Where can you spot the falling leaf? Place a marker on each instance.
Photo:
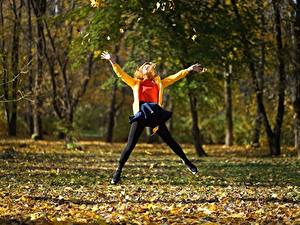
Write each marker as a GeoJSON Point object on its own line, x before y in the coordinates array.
{"type": "Point", "coordinates": [96, 3]}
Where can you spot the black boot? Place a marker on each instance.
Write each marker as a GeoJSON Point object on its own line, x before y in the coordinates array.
{"type": "Point", "coordinates": [191, 167]}
{"type": "Point", "coordinates": [117, 176]}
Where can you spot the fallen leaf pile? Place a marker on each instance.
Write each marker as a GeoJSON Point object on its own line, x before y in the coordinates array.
{"type": "Point", "coordinates": [45, 183]}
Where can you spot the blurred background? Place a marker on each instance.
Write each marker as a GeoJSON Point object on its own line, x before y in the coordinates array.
{"type": "Point", "coordinates": [55, 86]}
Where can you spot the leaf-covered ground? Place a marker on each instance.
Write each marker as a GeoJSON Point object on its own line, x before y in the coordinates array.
{"type": "Point", "coordinates": [44, 183]}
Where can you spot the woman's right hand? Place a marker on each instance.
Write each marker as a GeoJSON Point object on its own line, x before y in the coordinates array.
{"type": "Point", "coordinates": [197, 68]}
{"type": "Point", "coordinates": [105, 55]}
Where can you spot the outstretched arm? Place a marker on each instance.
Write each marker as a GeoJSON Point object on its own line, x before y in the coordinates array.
{"type": "Point", "coordinates": [130, 81]}
{"type": "Point", "coordinates": [181, 74]}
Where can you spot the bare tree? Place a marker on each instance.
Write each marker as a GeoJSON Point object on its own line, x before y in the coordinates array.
{"type": "Point", "coordinates": [273, 135]}
{"type": "Point", "coordinates": [65, 95]}
{"type": "Point", "coordinates": [10, 87]}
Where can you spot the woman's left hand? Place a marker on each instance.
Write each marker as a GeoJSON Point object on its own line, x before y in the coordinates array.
{"type": "Point", "coordinates": [197, 68]}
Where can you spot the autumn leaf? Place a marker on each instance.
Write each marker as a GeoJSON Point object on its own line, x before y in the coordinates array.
{"type": "Point", "coordinates": [46, 184]}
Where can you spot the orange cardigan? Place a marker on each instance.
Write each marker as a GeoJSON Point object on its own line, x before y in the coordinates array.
{"type": "Point", "coordinates": [134, 83]}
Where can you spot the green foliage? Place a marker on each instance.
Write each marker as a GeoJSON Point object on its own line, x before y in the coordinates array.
{"type": "Point", "coordinates": [173, 34]}
{"type": "Point", "coordinates": [176, 34]}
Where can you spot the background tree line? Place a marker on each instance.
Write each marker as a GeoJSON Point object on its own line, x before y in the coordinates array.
{"type": "Point", "coordinates": [53, 83]}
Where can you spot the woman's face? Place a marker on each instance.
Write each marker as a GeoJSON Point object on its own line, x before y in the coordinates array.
{"type": "Point", "coordinates": [148, 70]}
{"type": "Point", "coordinates": [145, 68]}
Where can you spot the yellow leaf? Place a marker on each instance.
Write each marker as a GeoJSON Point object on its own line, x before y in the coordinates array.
{"type": "Point", "coordinates": [175, 210]}
{"type": "Point", "coordinates": [35, 216]}
{"type": "Point", "coordinates": [227, 2]}
{"type": "Point", "coordinates": [23, 198]}
{"type": "Point", "coordinates": [96, 3]}
{"type": "Point", "coordinates": [95, 208]}
{"type": "Point", "coordinates": [152, 199]}
{"type": "Point", "coordinates": [209, 223]}
{"type": "Point", "coordinates": [148, 153]}
{"type": "Point", "coordinates": [97, 53]}
{"type": "Point", "coordinates": [83, 206]}
{"type": "Point", "coordinates": [212, 207]}
{"type": "Point", "coordinates": [146, 218]}
{"type": "Point", "coordinates": [237, 215]}
{"type": "Point", "coordinates": [150, 206]}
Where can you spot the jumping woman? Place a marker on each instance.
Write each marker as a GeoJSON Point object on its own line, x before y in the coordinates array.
{"type": "Point", "coordinates": [148, 88]}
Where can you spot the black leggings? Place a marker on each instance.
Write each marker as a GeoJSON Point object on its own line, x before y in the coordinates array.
{"type": "Point", "coordinates": [135, 132]}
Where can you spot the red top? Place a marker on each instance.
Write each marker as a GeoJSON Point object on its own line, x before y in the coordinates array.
{"type": "Point", "coordinates": [148, 91]}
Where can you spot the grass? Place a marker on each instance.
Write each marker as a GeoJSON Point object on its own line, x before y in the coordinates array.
{"type": "Point", "coordinates": [44, 183]}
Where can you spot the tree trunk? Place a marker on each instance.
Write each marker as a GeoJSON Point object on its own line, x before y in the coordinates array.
{"type": "Point", "coordinates": [37, 121]}
{"type": "Point", "coordinates": [296, 98]}
{"type": "Point", "coordinates": [260, 80]}
{"type": "Point", "coordinates": [273, 137]}
{"type": "Point", "coordinates": [39, 9]}
{"type": "Point", "coordinates": [228, 109]}
{"type": "Point", "coordinates": [4, 65]}
{"type": "Point", "coordinates": [12, 126]}
{"type": "Point", "coordinates": [297, 130]}
{"type": "Point", "coordinates": [69, 138]}
{"type": "Point", "coordinates": [197, 137]}
{"type": "Point", "coordinates": [29, 113]}
{"type": "Point", "coordinates": [282, 81]}
{"type": "Point", "coordinates": [112, 112]}
{"type": "Point", "coordinates": [113, 102]}
{"type": "Point", "coordinates": [257, 127]}
{"type": "Point", "coordinates": [195, 129]}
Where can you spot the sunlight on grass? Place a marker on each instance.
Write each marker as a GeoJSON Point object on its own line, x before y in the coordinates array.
{"type": "Point", "coordinates": [42, 182]}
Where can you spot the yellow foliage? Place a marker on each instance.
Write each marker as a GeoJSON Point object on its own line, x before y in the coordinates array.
{"type": "Point", "coordinates": [96, 3]}
{"type": "Point", "coordinates": [227, 2]}
{"type": "Point", "coordinates": [97, 53]}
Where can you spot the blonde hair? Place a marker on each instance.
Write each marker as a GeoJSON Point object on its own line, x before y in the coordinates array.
{"type": "Point", "coordinates": [151, 74]}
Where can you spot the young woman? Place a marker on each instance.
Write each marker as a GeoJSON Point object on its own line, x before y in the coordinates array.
{"type": "Point", "coordinates": [148, 89]}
